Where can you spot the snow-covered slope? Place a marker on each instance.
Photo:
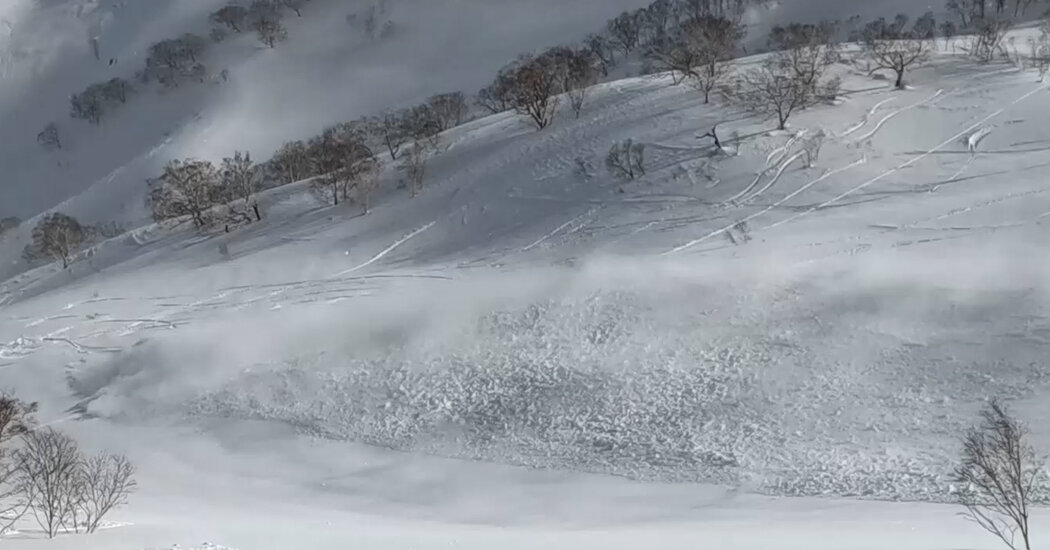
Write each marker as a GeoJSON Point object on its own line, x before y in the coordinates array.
{"type": "Point", "coordinates": [737, 319]}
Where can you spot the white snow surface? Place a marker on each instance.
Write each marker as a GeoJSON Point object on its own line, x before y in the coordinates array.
{"type": "Point", "coordinates": [735, 351]}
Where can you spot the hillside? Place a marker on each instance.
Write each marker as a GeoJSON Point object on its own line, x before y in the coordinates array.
{"type": "Point", "coordinates": [535, 353]}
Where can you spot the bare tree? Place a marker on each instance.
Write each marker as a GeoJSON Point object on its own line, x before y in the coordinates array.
{"type": "Point", "coordinates": [496, 97]}
{"type": "Point", "coordinates": [292, 162]}
{"type": "Point", "coordinates": [240, 181]}
{"type": "Point", "coordinates": [999, 470]}
{"type": "Point", "coordinates": [897, 50]}
{"type": "Point", "coordinates": [602, 50]}
{"type": "Point", "coordinates": [806, 50]}
{"type": "Point", "coordinates": [414, 164]}
{"type": "Point", "coordinates": [343, 158]}
{"type": "Point", "coordinates": [48, 137]}
{"type": "Point", "coordinates": [366, 183]}
{"type": "Point", "coordinates": [448, 110]}
{"type": "Point", "coordinates": [626, 160]}
{"type": "Point", "coordinates": [580, 75]}
{"type": "Point", "coordinates": [625, 32]}
{"type": "Point", "coordinates": [714, 39]}
{"type": "Point", "coordinates": [265, 19]}
{"type": "Point", "coordinates": [392, 130]}
{"type": "Point", "coordinates": [535, 88]}
{"type": "Point", "coordinates": [773, 90]}
{"type": "Point", "coordinates": [270, 30]}
{"type": "Point", "coordinates": [48, 463]}
{"type": "Point", "coordinates": [57, 236]}
{"type": "Point", "coordinates": [948, 31]}
{"type": "Point", "coordinates": [186, 188]}
{"type": "Point", "coordinates": [988, 40]}
{"type": "Point", "coordinates": [16, 419]}
{"type": "Point", "coordinates": [105, 483]}
{"type": "Point", "coordinates": [231, 16]}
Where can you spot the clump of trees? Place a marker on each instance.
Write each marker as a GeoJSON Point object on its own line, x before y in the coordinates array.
{"type": "Point", "coordinates": [999, 472]}
{"type": "Point", "coordinates": [195, 189]}
{"type": "Point", "coordinates": [97, 99]}
{"type": "Point", "coordinates": [45, 475]}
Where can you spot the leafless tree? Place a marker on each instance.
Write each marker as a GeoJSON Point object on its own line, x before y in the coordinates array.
{"type": "Point", "coordinates": [105, 482]}
{"type": "Point", "coordinates": [895, 49]}
{"type": "Point", "coordinates": [240, 181]}
{"type": "Point", "coordinates": [714, 39]}
{"type": "Point", "coordinates": [602, 50]}
{"type": "Point", "coordinates": [391, 129]}
{"type": "Point", "coordinates": [580, 75]}
{"type": "Point", "coordinates": [342, 158]}
{"type": "Point", "coordinates": [270, 30]}
{"type": "Point", "coordinates": [16, 419]}
{"type": "Point", "coordinates": [806, 50]}
{"type": "Point", "coordinates": [232, 16]}
{"type": "Point", "coordinates": [999, 470]}
{"type": "Point", "coordinates": [535, 88]}
{"type": "Point", "coordinates": [48, 462]}
{"type": "Point", "coordinates": [988, 40]}
{"type": "Point", "coordinates": [57, 236]}
{"type": "Point", "coordinates": [366, 182]}
{"type": "Point", "coordinates": [448, 110]}
{"type": "Point", "coordinates": [49, 138]}
{"type": "Point", "coordinates": [292, 162]}
{"type": "Point", "coordinates": [625, 31]}
{"type": "Point", "coordinates": [948, 31]}
{"type": "Point", "coordinates": [626, 160]}
{"type": "Point", "coordinates": [496, 97]}
{"type": "Point", "coordinates": [414, 164]}
{"type": "Point", "coordinates": [657, 19]}
{"type": "Point", "coordinates": [186, 188]}
{"type": "Point", "coordinates": [773, 90]}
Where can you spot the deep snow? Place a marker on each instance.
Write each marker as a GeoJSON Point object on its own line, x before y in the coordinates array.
{"type": "Point", "coordinates": [624, 340]}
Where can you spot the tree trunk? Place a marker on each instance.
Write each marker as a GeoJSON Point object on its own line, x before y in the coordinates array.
{"type": "Point", "coordinates": [900, 79]}
{"type": "Point", "coordinates": [258, 215]}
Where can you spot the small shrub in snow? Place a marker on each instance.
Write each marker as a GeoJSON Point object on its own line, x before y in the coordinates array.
{"type": "Point", "coordinates": [49, 138]}
{"type": "Point", "coordinates": [626, 160]}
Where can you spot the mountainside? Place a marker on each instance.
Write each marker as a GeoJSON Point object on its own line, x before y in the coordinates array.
{"type": "Point", "coordinates": [538, 350]}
